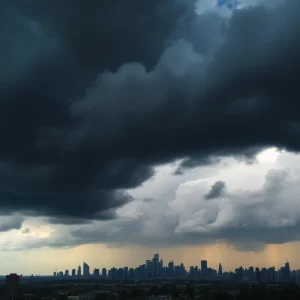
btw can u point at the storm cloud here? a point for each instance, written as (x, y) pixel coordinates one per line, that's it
(94, 95)
(265, 212)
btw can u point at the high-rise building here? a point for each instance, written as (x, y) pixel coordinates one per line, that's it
(204, 269)
(86, 270)
(149, 268)
(79, 271)
(96, 272)
(155, 265)
(203, 265)
(170, 271)
(12, 286)
(287, 271)
(104, 273)
(220, 270)
(126, 272)
(257, 274)
(73, 272)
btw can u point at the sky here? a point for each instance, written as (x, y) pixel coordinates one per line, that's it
(130, 127)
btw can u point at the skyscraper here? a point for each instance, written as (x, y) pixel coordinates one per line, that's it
(203, 265)
(86, 270)
(170, 272)
(155, 265)
(104, 272)
(220, 271)
(79, 271)
(204, 270)
(149, 268)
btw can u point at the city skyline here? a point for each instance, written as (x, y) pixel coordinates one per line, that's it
(156, 268)
(68, 258)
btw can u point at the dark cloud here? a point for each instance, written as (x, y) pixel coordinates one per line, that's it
(247, 219)
(171, 85)
(189, 163)
(216, 190)
(10, 222)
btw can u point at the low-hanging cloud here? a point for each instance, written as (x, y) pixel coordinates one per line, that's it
(248, 217)
(71, 145)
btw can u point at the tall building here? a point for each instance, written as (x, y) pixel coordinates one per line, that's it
(149, 268)
(287, 271)
(86, 270)
(104, 273)
(203, 265)
(96, 272)
(220, 270)
(204, 269)
(170, 271)
(12, 286)
(155, 265)
(126, 272)
(79, 271)
(257, 274)
(73, 272)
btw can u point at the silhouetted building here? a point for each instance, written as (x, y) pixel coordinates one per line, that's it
(79, 271)
(220, 271)
(155, 265)
(204, 270)
(257, 274)
(104, 272)
(12, 286)
(203, 265)
(287, 271)
(86, 270)
(73, 272)
(149, 268)
(170, 272)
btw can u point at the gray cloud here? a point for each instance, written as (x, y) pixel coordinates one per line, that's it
(246, 218)
(10, 222)
(183, 86)
(216, 190)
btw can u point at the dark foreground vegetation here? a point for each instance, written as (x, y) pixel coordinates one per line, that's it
(157, 291)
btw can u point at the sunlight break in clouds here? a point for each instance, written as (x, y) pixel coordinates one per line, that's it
(263, 199)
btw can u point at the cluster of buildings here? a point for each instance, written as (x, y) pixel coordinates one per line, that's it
(155, 268)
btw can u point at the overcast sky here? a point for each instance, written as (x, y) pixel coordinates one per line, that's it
(132, 126)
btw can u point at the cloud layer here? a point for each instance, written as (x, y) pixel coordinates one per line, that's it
(94, 96)
(261, 207)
